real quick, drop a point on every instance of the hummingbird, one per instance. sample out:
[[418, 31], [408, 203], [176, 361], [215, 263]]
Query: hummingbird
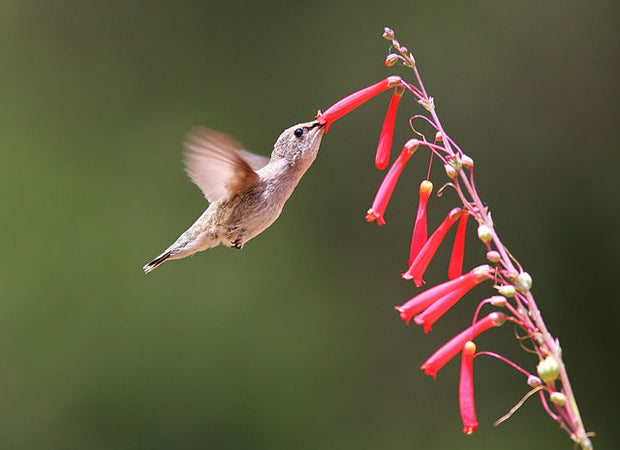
[[246, 192]]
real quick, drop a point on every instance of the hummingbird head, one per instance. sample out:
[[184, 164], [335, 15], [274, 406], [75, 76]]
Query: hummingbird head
[[299, 144]]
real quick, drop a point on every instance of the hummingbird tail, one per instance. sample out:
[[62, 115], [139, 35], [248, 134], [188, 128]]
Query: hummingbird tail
[[157, 261]]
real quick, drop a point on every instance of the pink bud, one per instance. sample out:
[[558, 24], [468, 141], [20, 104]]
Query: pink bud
[[391, 59]]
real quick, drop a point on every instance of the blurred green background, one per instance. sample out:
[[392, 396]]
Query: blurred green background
[[292, 342]]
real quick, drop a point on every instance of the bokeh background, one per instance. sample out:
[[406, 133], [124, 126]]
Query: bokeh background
[[293, 341]]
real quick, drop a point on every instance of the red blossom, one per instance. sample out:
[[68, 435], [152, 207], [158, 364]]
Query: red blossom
[[423, 258], [389, 183], [427, 298], [450, 349], [419, 229], [461, 286], [466, 389], [456, 259], [382, 157], [352, 101]]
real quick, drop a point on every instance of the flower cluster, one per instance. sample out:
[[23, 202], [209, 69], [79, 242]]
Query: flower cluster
[[512, 283]]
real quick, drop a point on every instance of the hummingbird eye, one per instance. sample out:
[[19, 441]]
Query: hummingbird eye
[[299, 132]]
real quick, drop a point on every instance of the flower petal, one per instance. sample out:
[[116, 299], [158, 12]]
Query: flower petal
[[423, 259], [419, 228], [466, 389], [352, 101], [427, 298], [456, 258], [389, 183], [382, 157], [450, 349]]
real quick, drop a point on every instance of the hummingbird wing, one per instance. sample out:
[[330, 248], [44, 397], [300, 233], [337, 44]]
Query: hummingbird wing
[[255, 161], [217, 165]]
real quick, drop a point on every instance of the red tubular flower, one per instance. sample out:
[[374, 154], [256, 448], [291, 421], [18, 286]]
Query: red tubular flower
[[419, 229], [461, 286], [436, 294], [389, 183], [449, 350], [350, 102], [385, 138], [456, 259], [423, 258], [466, 389]]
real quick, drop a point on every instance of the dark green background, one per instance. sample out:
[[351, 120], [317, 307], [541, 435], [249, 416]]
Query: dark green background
[[292, 342]]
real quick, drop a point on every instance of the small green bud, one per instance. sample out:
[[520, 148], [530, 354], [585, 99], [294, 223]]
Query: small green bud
[[450, 171], [498, 300], [507, 290], [467, 162], [558, 398], [485, 234], [548, 369], [494, 256], [523, 283], [533, 381]]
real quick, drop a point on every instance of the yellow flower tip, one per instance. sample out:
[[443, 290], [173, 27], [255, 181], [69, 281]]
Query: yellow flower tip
[[558, 398], [470, 429], [426, 187], [485, 234], [469, 347]]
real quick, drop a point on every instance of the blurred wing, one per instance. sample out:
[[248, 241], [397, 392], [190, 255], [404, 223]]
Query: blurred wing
[[255, 161], [215, 164]]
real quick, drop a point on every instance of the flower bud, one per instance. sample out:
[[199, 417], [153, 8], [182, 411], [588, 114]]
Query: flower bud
[[391, 59], [548, 369], [485, 234], [533, 381], [498, 300], [494, 256], [558, 398], [388, 33], [523, 283], [438, 137], [467, 162], [507, 290], [451, 171]]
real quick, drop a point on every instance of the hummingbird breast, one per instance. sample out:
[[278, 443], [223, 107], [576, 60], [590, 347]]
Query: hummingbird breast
[[243, 216]]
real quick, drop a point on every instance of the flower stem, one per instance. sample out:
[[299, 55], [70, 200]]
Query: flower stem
[[548, 345]]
